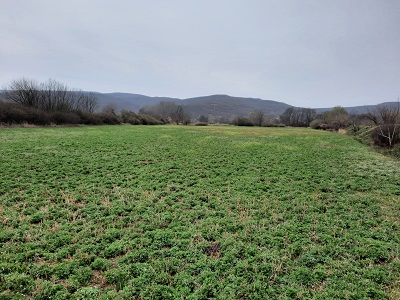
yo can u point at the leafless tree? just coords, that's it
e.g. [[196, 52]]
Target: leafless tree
[[110, 109], [388, 134], [298, 116], [86, 101], [49, 96], [167, 111], [257, 117], [387, 121], [385, 114], [23, 91]]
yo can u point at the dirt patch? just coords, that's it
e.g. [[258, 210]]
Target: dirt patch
[[213, 249], [98, 279]]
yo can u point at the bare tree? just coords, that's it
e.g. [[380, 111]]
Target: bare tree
[[387, 121], [388, 134], [167, 111], [298, 116], [389, 114], [23, 91], [385, 114], [257, 117], [86, 102], [49, 96], [110, 109]]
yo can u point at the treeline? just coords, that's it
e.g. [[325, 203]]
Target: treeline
[[44, 103], [162, 113], [381, 125], [167, 112], [292, 116], [51, 102], [49, 96]]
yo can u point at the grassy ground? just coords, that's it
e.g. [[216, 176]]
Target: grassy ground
[[168, 212]]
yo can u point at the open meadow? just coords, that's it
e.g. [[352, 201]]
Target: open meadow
[[188, 212]]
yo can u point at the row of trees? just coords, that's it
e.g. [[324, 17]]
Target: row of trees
[[383, 121], [167, 112], [51, 102], [298, 116], [333, 119], [26, 100], [293, 116], [49, 96]]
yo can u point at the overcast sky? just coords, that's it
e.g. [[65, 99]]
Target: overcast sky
[[312, 53]]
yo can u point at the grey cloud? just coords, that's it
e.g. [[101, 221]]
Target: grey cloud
[[305, 53]]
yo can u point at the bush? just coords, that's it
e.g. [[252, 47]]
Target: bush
[[271, 124], [150, 120], [201, 124], [11, 113], [65, 118], [242, 121], [89, 118], [317, 123], [109, 119], [130, 117]]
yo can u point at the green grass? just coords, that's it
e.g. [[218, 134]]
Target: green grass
[[173, 212]]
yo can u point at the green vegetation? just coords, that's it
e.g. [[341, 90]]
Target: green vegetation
[[174, 212]]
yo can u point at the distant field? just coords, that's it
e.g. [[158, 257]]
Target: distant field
[[184, 212]]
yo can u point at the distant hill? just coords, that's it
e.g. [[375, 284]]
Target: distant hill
[[213, 106], [132, 102], [226, 106], [362, 109]]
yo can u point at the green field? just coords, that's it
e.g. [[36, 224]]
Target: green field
[[184, 212]]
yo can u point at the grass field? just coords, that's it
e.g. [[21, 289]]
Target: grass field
[[174, 212]]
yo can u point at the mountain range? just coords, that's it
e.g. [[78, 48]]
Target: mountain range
[[214, 106]]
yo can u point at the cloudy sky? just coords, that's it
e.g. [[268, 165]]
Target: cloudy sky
[[312, 53]]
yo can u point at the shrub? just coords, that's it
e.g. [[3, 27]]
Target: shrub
[[11, 113], [109, 119], [65, 118], [201, 124], [316, 124], [130, 117], [150, 120], [242, 121], [89, 118]]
